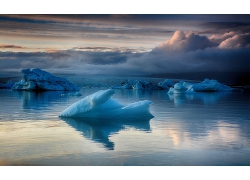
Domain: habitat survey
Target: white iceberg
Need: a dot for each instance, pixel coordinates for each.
(101, 105)
(167, 84)
(39, 80)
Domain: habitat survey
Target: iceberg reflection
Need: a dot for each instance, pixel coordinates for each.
(100, 129)
(38, 100)
(205, 98)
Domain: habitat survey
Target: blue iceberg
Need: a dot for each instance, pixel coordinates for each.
(101, 105)
(39, 80)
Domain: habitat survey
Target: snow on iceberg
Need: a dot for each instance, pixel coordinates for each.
(39, 80)
(101, 105)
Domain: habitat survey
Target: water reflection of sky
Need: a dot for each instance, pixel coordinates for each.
(200, 129)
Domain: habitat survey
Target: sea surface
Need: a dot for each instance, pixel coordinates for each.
(202, 129)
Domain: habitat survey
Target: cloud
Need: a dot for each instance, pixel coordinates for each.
(184, 52)
(186, 42)
(108, 49)
(7, 46)
(237, 41)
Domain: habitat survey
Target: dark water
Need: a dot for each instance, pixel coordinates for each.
(200, 129)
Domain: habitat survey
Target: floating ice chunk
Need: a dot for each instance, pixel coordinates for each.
(210, 85)
(171, 91)
(190, 90)
(101, 105)
(179, 88)
(166, 84)
(145, 85)
(39, 80)
(7, 85)
(127, 84)
(136, 84)
(205, 86)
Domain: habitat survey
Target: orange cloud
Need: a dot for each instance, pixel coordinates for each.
(7, 46)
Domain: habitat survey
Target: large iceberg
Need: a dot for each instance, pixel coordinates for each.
(101, 105)
(39, 80)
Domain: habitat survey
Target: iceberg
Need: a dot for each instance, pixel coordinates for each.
(181, 88)
(136, 84)
(210, 86)
(205, 86)
(127, 84)
(7, 85)
(101, 105)
(39, 80)
(167, 84)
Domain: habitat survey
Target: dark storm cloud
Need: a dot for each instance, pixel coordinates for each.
(60, 59)
(184, 52)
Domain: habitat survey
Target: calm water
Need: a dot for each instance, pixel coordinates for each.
(200, 129)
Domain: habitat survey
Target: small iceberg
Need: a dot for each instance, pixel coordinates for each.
(136, 84)
(39, 80)
(180, 88)
(7, 85)
(167, 84)
(205, 86)
(101, 105)
(210, 86)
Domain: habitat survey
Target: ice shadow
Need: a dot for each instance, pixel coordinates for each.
(100, 129)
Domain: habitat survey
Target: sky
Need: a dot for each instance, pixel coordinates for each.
(126, 44)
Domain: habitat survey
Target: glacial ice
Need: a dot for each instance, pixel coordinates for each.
(210, 85)
(101, 105)
(136, 84)
(167, 84)
(205, 86)
(7, 85)
(39, 80)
